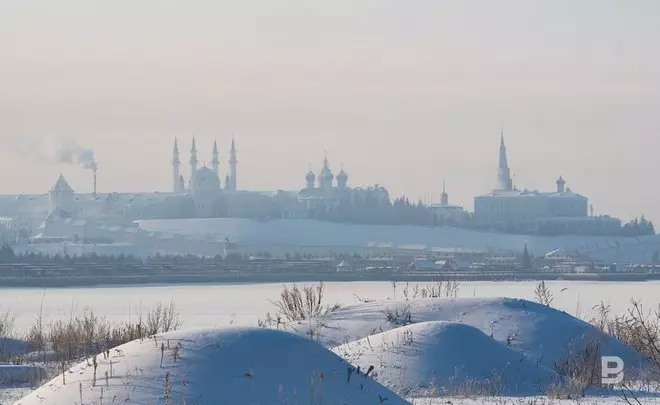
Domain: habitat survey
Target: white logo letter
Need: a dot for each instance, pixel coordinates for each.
(611, 369)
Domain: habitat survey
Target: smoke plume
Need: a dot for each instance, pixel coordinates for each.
(72, 153)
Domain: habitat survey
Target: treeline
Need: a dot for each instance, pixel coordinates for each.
(403, 212)
(7, 255)
(371, 211)
(638, 227)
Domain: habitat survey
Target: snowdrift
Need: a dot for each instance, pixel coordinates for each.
(292, 233)
(228, 366)
(428, 359)
(541, 334)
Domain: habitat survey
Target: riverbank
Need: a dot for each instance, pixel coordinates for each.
(224, 278)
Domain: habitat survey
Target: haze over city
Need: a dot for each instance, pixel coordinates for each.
(401, 94)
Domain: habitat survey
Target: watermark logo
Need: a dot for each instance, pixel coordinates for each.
(611, 370)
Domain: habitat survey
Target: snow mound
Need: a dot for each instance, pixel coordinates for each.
(442, 358)
(542, 334)
(233, 366)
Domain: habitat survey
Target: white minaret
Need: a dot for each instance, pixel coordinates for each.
(193, 165)
(176, 169)
(444, 197)
(215, 162)
(232, 166)
(503, 173)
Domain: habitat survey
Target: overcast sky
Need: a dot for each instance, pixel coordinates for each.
(402, 93)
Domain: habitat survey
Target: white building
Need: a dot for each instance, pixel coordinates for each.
(507, 208)
(448, 213)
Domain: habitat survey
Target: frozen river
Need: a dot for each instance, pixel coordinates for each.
(244, 304)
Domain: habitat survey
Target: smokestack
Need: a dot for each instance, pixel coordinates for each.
(95, 183)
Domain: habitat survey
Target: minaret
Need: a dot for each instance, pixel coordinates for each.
(232, 166)
(176, 165)
(215, 162)
(193, 165)
(444, 197)
(503, 173)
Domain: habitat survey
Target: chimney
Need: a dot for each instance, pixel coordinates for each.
(94, 184)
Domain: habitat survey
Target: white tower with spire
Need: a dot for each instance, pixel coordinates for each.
(193, 164)
(503, 173)
(215, 161)
(232, 166)
(561, 185)
(444, 197)
(176, 169)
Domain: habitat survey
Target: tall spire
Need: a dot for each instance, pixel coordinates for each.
(193, 164)
(233, 163)
(444, 197)
(503, 172)
(215, 161)
(176, 164)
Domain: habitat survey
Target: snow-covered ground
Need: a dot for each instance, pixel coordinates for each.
(292, 233)
(537, 332)
(504, 346)
(226, 366)
(243, 304)
(429, 359)
(469, 344)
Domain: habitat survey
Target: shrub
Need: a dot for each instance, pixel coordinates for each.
(297, 304)
(543, 294)
(162, 319)
(581, 367)
(398, 316)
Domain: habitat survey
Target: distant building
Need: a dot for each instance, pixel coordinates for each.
(447, 213)
(507, 208)
(321, 196)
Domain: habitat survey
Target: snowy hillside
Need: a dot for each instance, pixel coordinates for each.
(292, 233)
(230, 366)
(540, 334)
(428, 359)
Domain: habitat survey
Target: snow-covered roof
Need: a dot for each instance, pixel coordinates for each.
(529, 194)
(61, 185)
(446, 206)
(412, 247)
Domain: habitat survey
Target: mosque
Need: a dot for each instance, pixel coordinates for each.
(202, 195)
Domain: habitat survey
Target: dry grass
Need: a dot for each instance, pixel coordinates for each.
(581, 367)
(84, 335)
(543, 295)
(299, 304)
(398, 316)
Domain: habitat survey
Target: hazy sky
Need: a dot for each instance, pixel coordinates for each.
(401, 92)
